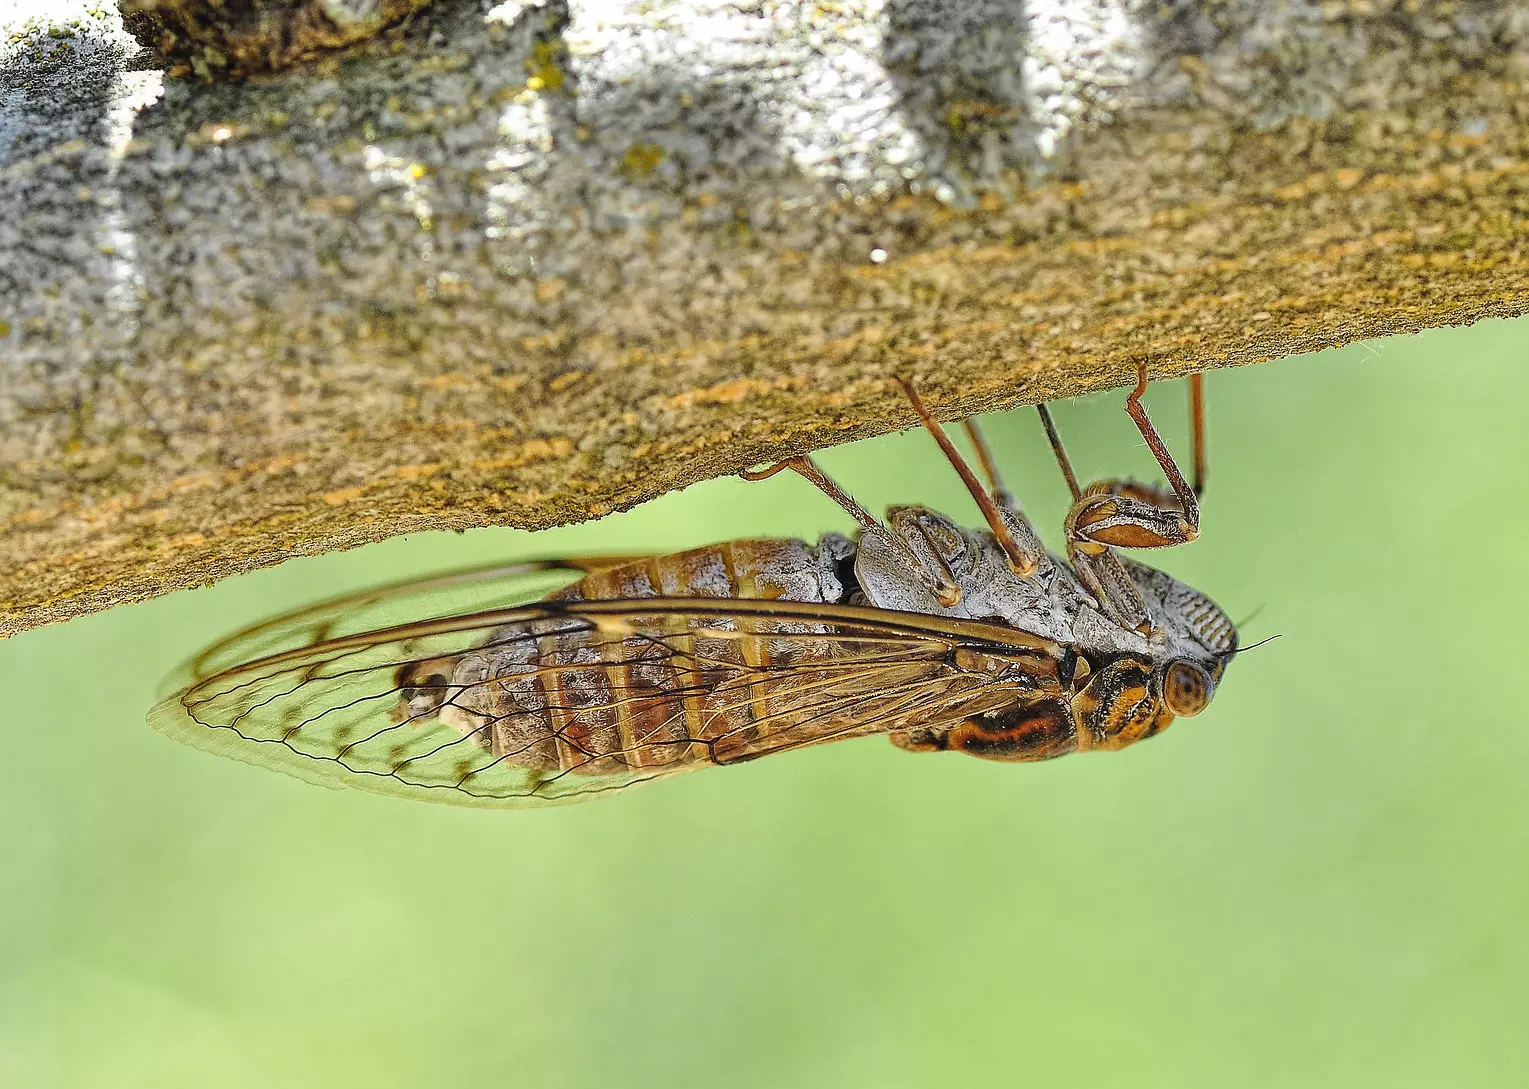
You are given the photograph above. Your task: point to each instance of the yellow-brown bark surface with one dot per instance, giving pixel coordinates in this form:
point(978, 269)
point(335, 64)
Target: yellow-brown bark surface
point(469, 277)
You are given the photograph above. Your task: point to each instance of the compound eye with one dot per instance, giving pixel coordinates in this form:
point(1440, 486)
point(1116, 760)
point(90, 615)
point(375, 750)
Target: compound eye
point(1186, 688)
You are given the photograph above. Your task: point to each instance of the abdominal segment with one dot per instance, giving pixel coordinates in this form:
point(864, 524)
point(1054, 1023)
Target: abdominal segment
point(655, 691)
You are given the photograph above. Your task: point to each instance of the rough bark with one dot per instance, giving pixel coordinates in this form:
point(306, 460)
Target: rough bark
point(531, 264)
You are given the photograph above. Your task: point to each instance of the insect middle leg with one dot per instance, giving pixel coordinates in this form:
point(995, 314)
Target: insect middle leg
point(998, 508)
point(1001, 494)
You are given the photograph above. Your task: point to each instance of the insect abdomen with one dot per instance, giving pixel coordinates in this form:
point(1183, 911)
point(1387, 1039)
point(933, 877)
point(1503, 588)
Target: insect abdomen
point(606, 701)
point(766, 568)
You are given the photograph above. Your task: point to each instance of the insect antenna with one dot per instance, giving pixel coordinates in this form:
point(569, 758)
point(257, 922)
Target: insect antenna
point(1243, 650)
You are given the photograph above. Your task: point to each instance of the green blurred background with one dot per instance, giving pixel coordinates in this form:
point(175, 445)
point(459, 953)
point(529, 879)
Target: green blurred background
point(1321, 881)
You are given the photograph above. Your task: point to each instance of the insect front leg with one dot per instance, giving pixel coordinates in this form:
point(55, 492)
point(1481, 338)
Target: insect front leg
point(1125, 514)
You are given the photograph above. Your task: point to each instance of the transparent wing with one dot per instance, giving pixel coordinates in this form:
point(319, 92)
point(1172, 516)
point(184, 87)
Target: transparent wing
point(451, 594)
point(561, 700)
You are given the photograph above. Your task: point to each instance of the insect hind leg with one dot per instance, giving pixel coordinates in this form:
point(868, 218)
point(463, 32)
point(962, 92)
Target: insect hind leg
point(934, 572)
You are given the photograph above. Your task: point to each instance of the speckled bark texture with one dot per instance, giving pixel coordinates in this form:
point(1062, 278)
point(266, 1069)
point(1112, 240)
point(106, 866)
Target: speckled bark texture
point(529, 263)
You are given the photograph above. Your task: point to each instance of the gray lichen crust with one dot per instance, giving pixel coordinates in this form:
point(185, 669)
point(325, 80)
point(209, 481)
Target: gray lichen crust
point(529, 262)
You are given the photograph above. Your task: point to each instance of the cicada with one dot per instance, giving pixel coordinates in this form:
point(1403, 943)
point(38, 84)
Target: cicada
point(553, 681)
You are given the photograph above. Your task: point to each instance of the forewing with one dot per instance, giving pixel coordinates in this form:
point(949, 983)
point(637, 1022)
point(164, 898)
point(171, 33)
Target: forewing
point(393, 605)
point(625, 691)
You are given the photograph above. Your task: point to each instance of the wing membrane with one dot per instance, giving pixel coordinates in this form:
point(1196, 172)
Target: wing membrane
point(375, 608)
point(554, 701)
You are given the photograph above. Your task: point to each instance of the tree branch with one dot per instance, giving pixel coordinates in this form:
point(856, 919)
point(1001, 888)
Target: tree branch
point(530, 265)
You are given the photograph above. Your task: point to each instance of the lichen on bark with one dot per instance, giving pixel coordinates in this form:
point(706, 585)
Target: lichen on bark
point(528, 263)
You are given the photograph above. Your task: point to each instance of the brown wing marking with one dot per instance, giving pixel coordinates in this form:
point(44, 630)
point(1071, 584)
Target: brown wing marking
point(630, 690)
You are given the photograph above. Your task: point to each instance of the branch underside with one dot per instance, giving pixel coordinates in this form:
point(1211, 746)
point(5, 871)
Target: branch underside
point(472, 277)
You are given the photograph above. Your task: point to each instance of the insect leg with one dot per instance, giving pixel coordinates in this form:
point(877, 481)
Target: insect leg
point(1124, 514)
point(940, 582)
point(1160, 450)
point(1197, 427)
point(1104, 573)
point(1002, 494)
point(1188, 497)
point(1063, 461)
point(1097, 565)
point(1023, 562)
point(805, 467)
point(1130, 515)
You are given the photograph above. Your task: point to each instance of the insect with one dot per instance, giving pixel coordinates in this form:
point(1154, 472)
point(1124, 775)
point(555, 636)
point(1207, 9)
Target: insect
point(553, 681)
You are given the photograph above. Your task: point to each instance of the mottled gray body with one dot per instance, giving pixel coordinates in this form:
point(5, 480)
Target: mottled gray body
point(593, 703)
